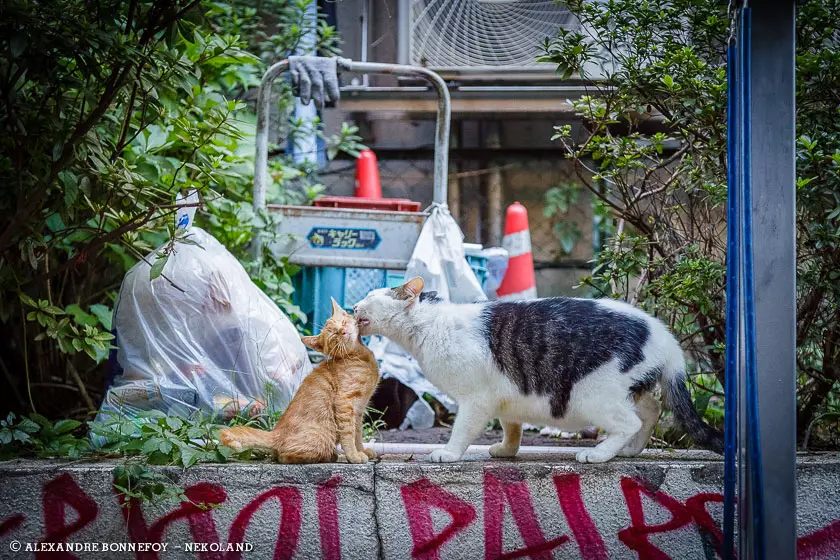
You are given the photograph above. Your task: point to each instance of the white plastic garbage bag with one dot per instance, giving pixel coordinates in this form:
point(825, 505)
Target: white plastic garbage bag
point(439, 258)
point(202, 336)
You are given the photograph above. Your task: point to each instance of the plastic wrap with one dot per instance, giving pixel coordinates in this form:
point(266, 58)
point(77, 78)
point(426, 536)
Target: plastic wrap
point(438, 258)
point(202, 336)
point(497, 263)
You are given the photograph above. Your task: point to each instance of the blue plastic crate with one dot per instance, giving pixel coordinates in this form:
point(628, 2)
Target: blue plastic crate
point(477, 264)
point(479, 267)
point(314, 286)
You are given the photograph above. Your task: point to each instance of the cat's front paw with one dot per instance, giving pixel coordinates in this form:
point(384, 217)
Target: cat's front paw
point(501, 450)
point(443, 456)
point(593, 455)
point(370, 453)
point(356, 458)
point(226, 439)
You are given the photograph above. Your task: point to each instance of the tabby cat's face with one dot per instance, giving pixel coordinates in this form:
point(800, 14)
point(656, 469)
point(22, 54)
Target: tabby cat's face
point(341, 327)
point(340, 334)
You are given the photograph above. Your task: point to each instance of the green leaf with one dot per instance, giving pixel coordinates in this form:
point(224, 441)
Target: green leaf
point(104, 313)
point(189, 456)
point(165, 446)
point(195, 432)
point(41, 420)
point(151, 445)
point(64, 426)
point(71, 187)
point(20, 436)
point(158, 458)
point(28, 426)
point(80, 316)
point(701, 402)
point(157, 267)
point(133, 445)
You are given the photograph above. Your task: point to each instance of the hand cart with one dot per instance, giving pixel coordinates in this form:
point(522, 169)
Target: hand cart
point(342, 237)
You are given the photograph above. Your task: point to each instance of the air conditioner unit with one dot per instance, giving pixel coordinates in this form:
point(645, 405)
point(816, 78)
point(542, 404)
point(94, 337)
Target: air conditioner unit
point(495, 37)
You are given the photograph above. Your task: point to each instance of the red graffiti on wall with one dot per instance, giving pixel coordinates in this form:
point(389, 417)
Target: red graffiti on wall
point(636, 536)
point(291, 502)
point(507, 485)
point(11, 523)
point(329, 531)
point(196, 512)
point(587, 537)
point(58, 493)
point(68, 510)
point(419, 499)
point(824, 543)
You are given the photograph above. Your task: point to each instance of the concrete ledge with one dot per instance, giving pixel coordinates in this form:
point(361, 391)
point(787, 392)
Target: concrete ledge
point(543, 505)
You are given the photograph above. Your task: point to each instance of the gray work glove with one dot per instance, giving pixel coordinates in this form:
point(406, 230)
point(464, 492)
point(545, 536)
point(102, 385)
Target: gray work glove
point(314, 77)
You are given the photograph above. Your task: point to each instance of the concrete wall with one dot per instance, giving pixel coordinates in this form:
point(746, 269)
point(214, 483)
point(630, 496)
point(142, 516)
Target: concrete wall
point(545, 507)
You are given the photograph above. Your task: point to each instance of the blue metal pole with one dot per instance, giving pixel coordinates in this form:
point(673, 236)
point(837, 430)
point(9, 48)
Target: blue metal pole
point(770, 28)
point(730, 432)
point(753, 441)
point(761, 282)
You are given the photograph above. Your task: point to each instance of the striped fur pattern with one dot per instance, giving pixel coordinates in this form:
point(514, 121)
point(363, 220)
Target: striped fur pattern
point(329, 406)
point(564, 362)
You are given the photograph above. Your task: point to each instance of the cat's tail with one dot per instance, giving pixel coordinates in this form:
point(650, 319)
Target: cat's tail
point(678, 399)
point(240, 438)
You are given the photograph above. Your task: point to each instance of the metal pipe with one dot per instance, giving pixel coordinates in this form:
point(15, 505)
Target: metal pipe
point(364, 53)
point(441, 129)
point(404, 31)
point(263, 111)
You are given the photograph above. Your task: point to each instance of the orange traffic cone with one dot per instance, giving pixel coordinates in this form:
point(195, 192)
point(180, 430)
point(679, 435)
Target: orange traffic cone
point(367, 176)
point(519, 281)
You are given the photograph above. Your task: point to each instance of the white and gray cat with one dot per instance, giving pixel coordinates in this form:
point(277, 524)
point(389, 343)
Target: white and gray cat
point(563, 362)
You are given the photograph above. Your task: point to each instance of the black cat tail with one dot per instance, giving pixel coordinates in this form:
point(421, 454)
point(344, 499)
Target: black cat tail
point(678, 400)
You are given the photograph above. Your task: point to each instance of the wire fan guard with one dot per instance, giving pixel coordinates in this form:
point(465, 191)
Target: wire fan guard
point(468, 35)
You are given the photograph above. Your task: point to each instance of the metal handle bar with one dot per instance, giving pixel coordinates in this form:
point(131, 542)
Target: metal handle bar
point(441, 130)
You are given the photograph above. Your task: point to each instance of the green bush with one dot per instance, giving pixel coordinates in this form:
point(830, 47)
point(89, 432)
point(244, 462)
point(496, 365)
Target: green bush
point(657, 73)
point(110, 109)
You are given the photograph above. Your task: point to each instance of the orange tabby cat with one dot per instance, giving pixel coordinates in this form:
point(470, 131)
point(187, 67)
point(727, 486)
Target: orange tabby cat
point(329, 405)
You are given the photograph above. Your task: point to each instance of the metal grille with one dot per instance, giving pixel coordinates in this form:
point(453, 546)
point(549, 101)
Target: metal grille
point(525, 180)
point(359, 281)
point(412, 179)
point(488, 34)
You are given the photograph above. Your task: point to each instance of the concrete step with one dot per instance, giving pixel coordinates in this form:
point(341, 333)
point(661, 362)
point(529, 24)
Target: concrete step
point(541, 505)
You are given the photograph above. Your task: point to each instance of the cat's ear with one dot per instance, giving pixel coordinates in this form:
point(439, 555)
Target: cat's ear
point(313, 342)
point(410, 289)
point(336, 309)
